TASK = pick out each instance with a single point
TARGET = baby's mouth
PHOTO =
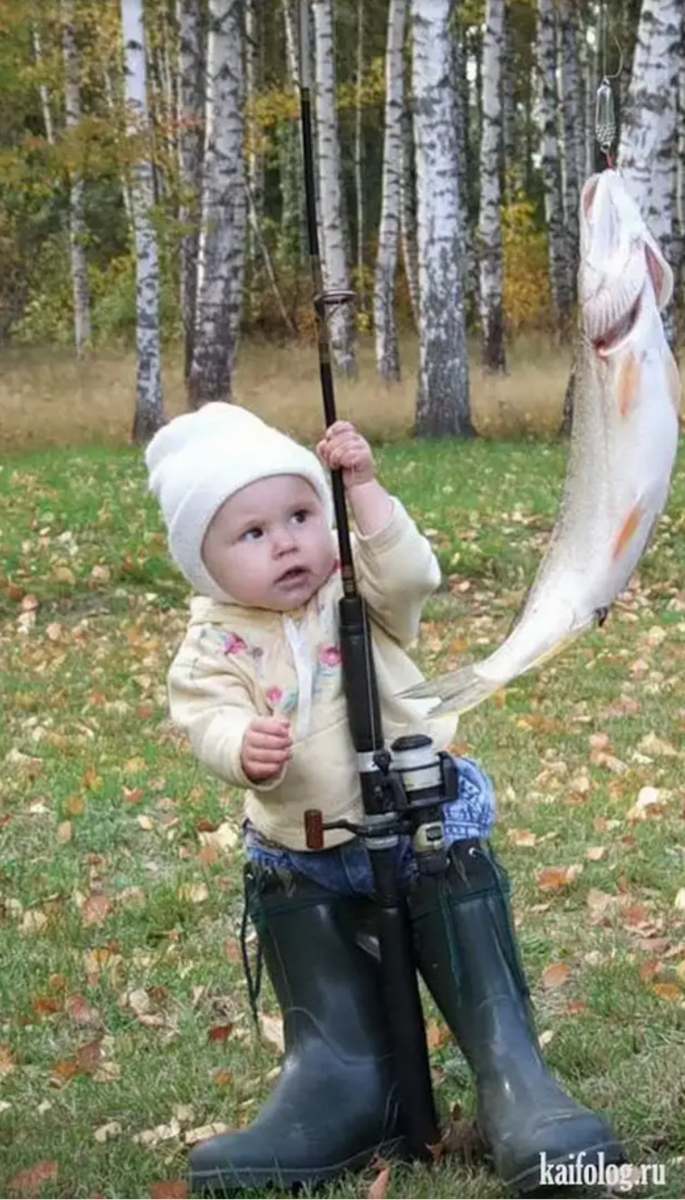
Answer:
(293, 575)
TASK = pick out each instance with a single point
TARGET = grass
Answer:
(124, 1023)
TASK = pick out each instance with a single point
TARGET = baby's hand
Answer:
(343, 447)
(267, 746)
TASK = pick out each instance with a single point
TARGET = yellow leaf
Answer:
(550, 879)
(594, 853)
(64, 831)
(667, 991)
(145, 822)
(522, 837)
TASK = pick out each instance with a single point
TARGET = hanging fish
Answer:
(623, 446)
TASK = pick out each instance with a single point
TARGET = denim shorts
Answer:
(346, 869)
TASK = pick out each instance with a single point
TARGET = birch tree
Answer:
(149, 406)
(43, 91)
(443, 395)
(190, 147)
(572, 125)
(385, 327)
(408, 214)
(222, 235)
(648, 142)
(334, 259)
(561, 287)
(489, 223)
(78, 230)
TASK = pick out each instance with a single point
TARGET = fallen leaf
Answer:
(30, 1181)
(169, 1189)
(74, 805)
(551, 878)
(379, 1186)
(646, 798)
(64, 832)
(222, 1078)
(679, 901)
(7, 1063)
(104, 1132)
(555, 974)
(436, 1034)
(219, 1033)
(599, 902)
(522, 837)
(546, 1037)
(223, 838)
(195, 892)
(272, 1031)
(33, 921)
(651, 744)
(667, 991)
(145, 822)
(160, 1133)
(574, 1007)
(81, 1012)
(202, 1132)
(96, 908)
(594, 853)
(649, 968)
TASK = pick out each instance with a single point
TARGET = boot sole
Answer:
(527, 1183)
(232, 1181)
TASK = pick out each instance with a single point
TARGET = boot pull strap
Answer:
(253, 982)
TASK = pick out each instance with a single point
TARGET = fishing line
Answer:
(605, 109)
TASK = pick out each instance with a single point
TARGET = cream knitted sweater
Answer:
(236, 663)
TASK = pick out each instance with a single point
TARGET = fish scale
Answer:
(623, 445)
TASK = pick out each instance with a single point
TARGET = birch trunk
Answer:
(221, 251)
(572, 124)
(294, 238)
(149, 414)
(190, 148)
(359, 157)
(561, 286)
(385, 327)
(648, 141)
(680, 172)
(42, 87)
(489, 223)
(255, 158)
(443, 395)
(408, 214)
(336, 275)
(511, 174)
(467, 198)
(77, 207)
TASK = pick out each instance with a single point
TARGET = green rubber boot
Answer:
(335, 1104)
(467, 953)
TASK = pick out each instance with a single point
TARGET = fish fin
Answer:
(457, 691)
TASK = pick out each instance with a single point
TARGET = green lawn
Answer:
(124, 1023)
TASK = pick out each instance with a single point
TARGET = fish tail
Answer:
(457, 691)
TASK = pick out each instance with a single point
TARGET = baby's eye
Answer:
(251, 535)
(301, 515)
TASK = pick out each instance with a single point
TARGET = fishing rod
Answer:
(401, 791)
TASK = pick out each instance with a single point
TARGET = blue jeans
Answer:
(346, 869)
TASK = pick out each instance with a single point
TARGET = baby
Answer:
(257, 685)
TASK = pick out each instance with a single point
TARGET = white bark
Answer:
(42, 87)
(385, 327)
(255, 158)
(680, 174)
(647, 147)
(149, 407)
(408, 214)
(78, 230)
(443, 399)
(222, 235)
(190, 149)
(489, 223)
(334, 260)
(561, 284)
(572, 125)
(359, 156)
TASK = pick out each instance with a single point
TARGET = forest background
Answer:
(152, 200)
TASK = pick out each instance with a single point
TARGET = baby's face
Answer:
(269, 545)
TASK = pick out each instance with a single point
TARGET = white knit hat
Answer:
(199, 459)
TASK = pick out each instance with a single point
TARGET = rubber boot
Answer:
(467, 953)
(335, 1104)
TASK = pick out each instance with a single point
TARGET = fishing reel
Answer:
(405, 788)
